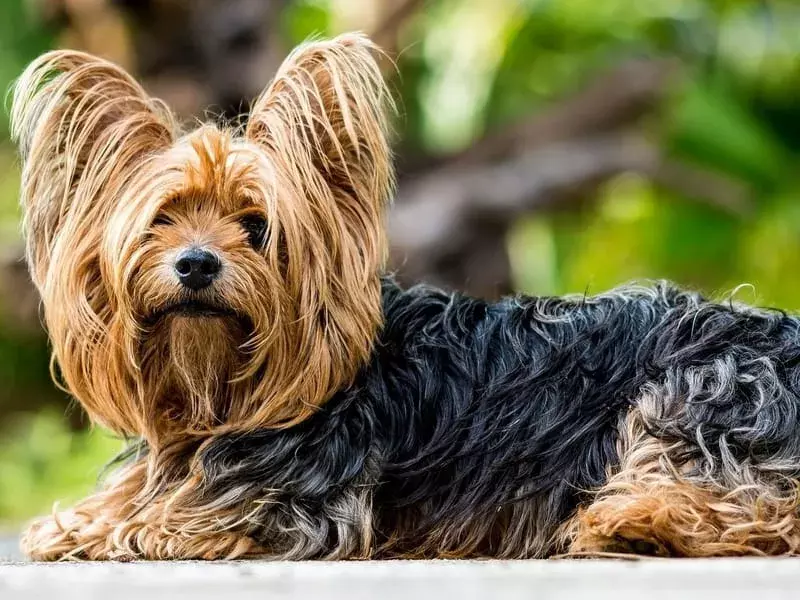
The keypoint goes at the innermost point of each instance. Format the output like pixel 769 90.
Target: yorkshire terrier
pixel 219 298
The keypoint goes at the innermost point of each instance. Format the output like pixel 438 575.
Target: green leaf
pixel 711 126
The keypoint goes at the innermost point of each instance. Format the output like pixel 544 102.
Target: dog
pixel 219 298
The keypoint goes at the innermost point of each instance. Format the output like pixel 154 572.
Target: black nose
pixel 196 268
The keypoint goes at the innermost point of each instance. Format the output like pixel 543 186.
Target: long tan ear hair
pixel 83 127
pixel 323 121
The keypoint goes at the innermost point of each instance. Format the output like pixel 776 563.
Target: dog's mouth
pixel 193 308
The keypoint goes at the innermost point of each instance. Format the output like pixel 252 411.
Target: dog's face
pixel 214 280
pixel 196 259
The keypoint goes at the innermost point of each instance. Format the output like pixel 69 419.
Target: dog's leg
pixel 86 530
pixel 180 526
pixel 184 534
pixel 187 520
pixel 79 534
pixel 664 517
pixel 175 526
pixel 116 524
pixel 82 534
pixel 657 505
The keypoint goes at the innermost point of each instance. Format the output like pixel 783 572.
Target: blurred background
pixel 544 146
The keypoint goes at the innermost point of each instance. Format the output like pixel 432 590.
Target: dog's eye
pixel 162 220
pixel 256 229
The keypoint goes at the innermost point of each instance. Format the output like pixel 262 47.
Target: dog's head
pixel 210 280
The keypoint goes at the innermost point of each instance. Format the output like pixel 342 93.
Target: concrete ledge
pixel 9 548
pixel 731 579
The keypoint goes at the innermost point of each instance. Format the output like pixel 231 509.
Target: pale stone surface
pixel 728 579
pixel 9 548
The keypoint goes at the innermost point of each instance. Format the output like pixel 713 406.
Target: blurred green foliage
pixel 42 461
pixel 470 66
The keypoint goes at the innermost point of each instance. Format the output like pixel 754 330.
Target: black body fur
pixel 470 409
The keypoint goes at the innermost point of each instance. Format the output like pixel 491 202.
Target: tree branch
pixel 613 100
pixel 439 215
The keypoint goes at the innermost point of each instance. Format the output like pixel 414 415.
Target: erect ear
pixel 323 122
pixel 84 128
pixel 81 124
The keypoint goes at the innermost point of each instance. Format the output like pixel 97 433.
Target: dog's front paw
pixel 68 535
pixel 163 542
pixel 50 538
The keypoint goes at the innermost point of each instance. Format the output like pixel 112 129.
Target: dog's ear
pixel 81 124
pixel 84 127
pixel 323 122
